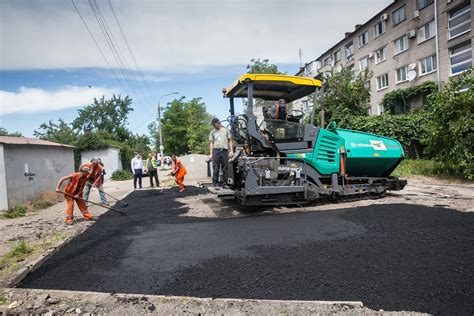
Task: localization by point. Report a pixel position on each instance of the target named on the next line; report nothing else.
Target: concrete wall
(196, 166)
(43, 166)
(110, 158)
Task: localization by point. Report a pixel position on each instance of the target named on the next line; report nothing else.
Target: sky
(50, 66)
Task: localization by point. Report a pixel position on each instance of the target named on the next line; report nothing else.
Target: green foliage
(263, 66)
(452, 123)
(346, 96)
(105, 115)
(186, 127)
(430, 168)
(398, 101)
(5, 132)
(60, 132)
(120, 175)
(409, 129)
(3, 299)
(21, 249)
(18, 211)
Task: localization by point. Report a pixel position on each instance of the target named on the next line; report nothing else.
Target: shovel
(107, 207)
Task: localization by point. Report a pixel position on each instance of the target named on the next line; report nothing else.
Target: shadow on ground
(391, 257)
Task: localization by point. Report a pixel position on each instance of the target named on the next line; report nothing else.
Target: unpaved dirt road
(412, 250)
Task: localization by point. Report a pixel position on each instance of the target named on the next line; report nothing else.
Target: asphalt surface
(392, 257)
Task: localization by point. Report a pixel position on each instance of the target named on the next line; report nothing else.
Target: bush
(18, 211)
(430, 168)
(120, 175)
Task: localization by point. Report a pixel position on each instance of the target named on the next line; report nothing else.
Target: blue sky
(48, 59)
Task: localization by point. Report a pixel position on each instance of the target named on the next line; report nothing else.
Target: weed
(3, 299)
(18, 211)
(120, 175)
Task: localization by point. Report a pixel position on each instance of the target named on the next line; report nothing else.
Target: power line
(98, 47)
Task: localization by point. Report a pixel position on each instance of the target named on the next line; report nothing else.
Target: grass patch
(120, 175)
(23, 250)
(18, 211)
(430, 168)
(3, 299)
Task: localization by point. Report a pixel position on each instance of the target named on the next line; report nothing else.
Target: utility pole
(162, 148)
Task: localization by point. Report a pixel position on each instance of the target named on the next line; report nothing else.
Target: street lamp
(159, 122)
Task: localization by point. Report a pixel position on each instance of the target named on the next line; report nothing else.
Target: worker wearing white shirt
(137, 168)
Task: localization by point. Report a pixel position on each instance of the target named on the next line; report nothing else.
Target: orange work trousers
(180, 182)
(82, 207)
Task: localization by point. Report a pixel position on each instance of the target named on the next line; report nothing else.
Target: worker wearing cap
(221, 148)
(73, 191)
(179, 171)
(95, 179)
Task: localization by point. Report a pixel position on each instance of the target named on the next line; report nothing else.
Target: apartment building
(407, 43)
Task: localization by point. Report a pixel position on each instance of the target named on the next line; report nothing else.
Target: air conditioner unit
(411, 34)
(384, 17)
(416, 14)
(370, 55)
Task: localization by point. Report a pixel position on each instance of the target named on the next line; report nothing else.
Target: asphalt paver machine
(284, 162)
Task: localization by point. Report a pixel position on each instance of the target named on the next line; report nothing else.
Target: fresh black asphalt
(391, 257)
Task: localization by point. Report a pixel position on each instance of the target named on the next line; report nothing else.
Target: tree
(263, 66)
(452, 122)
(4, 132)
(346, 95)
(105, 115)
(60, 132)
(186, 127)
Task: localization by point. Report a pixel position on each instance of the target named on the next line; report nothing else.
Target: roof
(11, 140)
(273, 87)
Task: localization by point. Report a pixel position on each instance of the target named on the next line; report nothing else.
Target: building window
(382, 82)
(402, 74)
(367, 84)
(364, 63)
(401, 44)
(352, 70)
(327, 61)
(421, 4)
(380, 55)
(349, 51)
(460, 58)
(363, 39)
(428, 65)
(380, 109)
(337, 56)
(426, 32)
(399, 16)
(459, 21)
(379, 29)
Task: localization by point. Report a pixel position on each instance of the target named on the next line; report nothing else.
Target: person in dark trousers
(152, 167)
(221, 148)
(137, 169)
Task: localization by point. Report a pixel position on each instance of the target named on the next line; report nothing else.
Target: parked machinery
(281, 162)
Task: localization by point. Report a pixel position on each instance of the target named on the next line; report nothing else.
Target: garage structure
(30, 166)
(110, 158)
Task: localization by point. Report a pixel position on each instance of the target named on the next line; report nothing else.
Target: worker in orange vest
(74, 189)
(95, 179)
(179, 171)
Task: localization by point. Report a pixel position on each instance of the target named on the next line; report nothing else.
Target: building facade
(407, 43)
(30, 166)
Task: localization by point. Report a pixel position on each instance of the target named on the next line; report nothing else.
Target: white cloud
(176, 35)
(38, 100)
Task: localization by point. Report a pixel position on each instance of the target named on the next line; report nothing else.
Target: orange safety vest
(95, 171)
(76, 183)
(179, 169)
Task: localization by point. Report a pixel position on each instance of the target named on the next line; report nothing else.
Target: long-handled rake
(104, 206)
(110, 195)
(165, 184)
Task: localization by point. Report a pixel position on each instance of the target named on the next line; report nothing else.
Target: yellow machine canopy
(273, 87)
